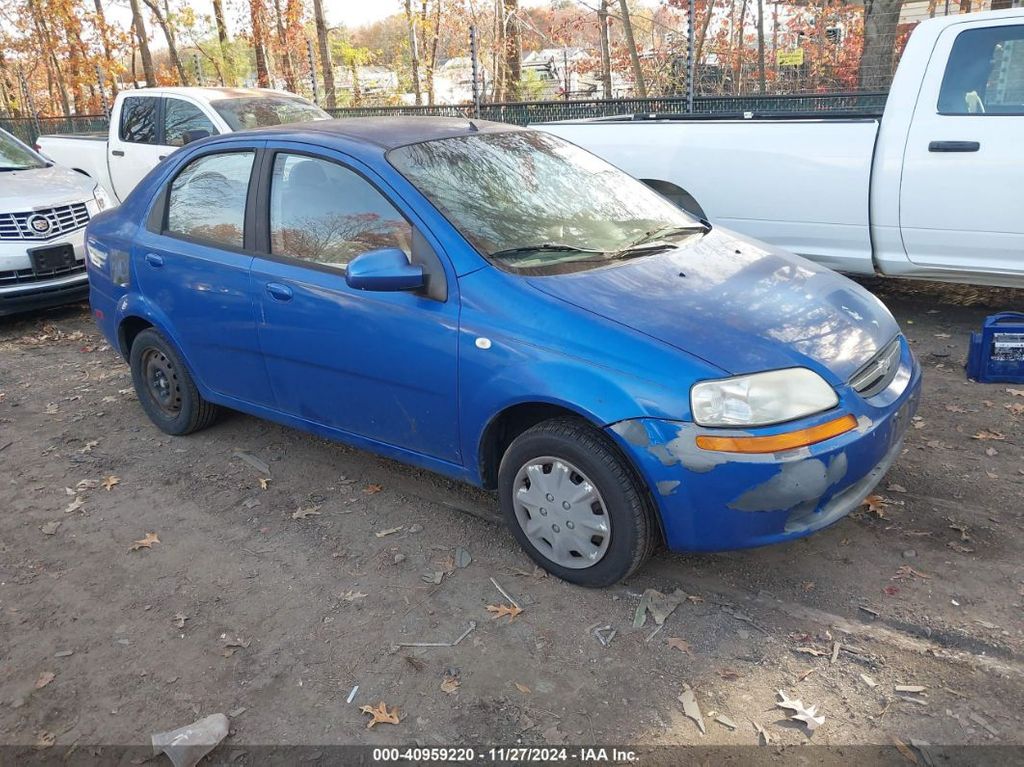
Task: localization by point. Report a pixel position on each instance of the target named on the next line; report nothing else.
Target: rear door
(134, 149)
(960, 204)
(192, 262)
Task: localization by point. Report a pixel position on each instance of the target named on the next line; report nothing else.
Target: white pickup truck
(932, 188)
(147, 125)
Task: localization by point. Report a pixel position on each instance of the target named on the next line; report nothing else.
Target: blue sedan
(499, 306)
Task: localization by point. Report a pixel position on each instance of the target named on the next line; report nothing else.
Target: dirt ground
(271, 604)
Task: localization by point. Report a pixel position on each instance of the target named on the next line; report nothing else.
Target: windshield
(265, 111)
(16, 156)
(534, 203)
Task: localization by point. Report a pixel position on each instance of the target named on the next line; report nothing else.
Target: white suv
(43, 212)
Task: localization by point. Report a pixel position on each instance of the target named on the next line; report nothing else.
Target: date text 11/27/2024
(509, 754)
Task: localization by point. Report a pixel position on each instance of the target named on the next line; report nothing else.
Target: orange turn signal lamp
(777, 443)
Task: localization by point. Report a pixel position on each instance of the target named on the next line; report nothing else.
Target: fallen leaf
(694, 599)
(955, 409)
(725, 721)
(433, 576)
(807, 585)
(45, 739)
(989, 434)
(307, 512)
(145, 543)
(959, 547)
(373, 489)
(904, 749)
(679, 644)
(87, 448)
(44, 679)
(762, 733)
(49, 528)
(389, 531)
(1015, 408)
(894, 488)
(1015, 392)
(522, 688)
(75, 505)
(500, 611)
(380, 714)
(903, 572)
(876, 505)
(891, 591)
(179, 620)
(51, 409)
(869, 681)
(991, 452)
(352, 596)
(87, 484)
(264, 483)
(109, 482)
(450, 684)
(808, 715)
(690, 707)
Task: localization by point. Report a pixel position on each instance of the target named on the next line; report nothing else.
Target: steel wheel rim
(161, 382)
(561, 512)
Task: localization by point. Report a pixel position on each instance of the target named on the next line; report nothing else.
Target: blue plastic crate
(997, 352)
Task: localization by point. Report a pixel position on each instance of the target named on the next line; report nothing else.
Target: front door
(195, 270)
(960, 202)
(375, 364)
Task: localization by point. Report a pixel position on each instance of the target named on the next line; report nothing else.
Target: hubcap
(562, 513)
(161, 381)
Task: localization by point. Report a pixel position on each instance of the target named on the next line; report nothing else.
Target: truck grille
(44, 223)
(27, 276)
(878, 373)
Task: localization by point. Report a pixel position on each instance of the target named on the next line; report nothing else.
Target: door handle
(954, 146)
(154, 260)
(117, 152)
(279, 292)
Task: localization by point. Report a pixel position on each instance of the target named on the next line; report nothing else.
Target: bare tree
(880, 20)
(228, 73)
(606, 56)
(414, 54)
(140, 35)
(513, 67)
(325, 54)
(634, 55)
(168, 29)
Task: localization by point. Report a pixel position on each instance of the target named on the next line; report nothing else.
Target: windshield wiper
(546, 247)
(648, 239)
(7, 168)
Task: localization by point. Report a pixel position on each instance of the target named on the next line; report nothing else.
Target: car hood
(738, 304)
(22, 190)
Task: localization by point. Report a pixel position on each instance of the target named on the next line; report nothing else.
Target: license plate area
(52, 258)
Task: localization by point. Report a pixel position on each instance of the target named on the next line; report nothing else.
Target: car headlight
(103, 200)
(761, 399)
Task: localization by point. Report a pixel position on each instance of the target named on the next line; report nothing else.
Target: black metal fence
(526, 112)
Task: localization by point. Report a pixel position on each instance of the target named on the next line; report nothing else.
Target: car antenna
(472, 126)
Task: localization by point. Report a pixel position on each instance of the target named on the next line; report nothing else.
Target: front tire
(165, 388)
(574, 503)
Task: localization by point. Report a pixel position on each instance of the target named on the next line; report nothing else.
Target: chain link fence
(28, 129)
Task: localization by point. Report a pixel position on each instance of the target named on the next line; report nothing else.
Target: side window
(328, 214)
(207, 199)
(181, 116)
(985, 73)
(138, 119)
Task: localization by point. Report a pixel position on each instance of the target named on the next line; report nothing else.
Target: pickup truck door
(133, 148)
(960, 205)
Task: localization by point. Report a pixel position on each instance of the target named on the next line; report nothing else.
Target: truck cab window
(985, 73)
(180, 117)
(138, 120)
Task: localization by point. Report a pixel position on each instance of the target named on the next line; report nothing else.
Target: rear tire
(165, 388)
(575, 504)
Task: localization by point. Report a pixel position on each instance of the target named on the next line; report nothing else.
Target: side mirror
(193, 135)
(385, 269)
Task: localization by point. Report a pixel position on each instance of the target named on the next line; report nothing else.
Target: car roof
(384, 132)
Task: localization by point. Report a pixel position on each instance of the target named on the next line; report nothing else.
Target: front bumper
(714, 501)
(21, 290)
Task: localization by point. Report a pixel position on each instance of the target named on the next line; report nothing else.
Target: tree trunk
(634, 55)
(286, 51)
(881, 18)
(259, 42)
(54, 74)
(172, 47)
(513, 50)
(737, 79)
(414, 55)
(357, 93)
(762, 85)
(434, 35)
(606, 54)
(140, 35)
(498, 53)
(325, 54)
(228, 74)
(699, 55)
(104, 30)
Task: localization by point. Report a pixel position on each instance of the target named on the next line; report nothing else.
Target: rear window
(985, 73)
(266, 111)
(138, 119)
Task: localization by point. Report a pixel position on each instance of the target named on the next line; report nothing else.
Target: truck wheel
(574, 503)
(164, 387)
